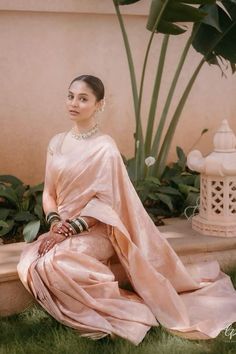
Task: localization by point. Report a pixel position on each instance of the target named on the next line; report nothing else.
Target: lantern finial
(224, 138)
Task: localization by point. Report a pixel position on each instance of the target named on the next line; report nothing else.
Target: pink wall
(45, 44)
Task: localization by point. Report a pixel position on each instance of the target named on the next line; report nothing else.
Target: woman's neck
(84, 126)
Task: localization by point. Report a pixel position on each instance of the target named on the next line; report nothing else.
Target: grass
(35, 332)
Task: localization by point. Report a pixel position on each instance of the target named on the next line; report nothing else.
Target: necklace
(80, 136)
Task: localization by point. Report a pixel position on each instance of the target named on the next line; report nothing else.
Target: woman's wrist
(54, 225)
(52, 218)
(78, 224)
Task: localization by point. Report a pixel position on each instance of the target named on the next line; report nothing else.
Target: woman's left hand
(62, 227)
(49, 242)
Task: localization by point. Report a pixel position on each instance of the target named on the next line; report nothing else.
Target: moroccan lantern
(217, 214)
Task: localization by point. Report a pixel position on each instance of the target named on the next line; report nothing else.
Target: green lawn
(35, 332)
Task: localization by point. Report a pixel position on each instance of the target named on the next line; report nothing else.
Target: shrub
(21, 213)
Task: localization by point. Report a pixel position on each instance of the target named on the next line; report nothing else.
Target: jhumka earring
(103, 105)
(101, 109)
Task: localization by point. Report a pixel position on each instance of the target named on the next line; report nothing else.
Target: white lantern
(217, 215)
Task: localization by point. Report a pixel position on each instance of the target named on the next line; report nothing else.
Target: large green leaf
(174, 13)
(4, 212)
(31, 230)
(163, 198)
(215, 44)
(153, 179)
(10, 195)
(169, 190)
(166, 200)
(185, 189)
(131, 168)
(20, 190)
(24, 216)
(38, 211)
(25, 204)
(6, 227)
(35, 189)
(12, 180)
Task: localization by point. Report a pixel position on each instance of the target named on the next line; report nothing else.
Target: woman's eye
(82, 99)
(70, 97)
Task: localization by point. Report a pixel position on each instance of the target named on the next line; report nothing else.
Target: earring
(102, 108)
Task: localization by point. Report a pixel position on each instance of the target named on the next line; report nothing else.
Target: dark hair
(94, 83)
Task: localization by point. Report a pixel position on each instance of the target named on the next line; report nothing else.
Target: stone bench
(13, 296)
(188, 244)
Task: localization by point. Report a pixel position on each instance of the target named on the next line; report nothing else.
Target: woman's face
(81, 101)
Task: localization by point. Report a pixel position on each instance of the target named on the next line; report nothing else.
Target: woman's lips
(73, 112)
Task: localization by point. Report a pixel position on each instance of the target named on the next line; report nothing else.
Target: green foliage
(216, 36)
(174, 12)
(169, 196)
(212, 33)
(21, 213)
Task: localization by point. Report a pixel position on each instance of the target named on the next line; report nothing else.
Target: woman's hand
(62, 227)
(49, 242)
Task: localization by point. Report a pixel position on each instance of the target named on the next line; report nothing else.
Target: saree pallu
(74, 281)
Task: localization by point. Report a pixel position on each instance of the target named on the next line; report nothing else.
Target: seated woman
(95, 214)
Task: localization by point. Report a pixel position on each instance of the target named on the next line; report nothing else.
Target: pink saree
(74, 281)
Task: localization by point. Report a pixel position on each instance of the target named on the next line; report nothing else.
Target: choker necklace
(80, 136)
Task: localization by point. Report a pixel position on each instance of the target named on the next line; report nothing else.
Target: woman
(94, 213)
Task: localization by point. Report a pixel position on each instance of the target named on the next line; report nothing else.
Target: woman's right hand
(49, 242)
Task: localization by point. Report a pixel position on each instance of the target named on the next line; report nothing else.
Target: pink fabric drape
(74, 281)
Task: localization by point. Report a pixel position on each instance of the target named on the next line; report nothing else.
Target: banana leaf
(175, 11)
(219, 43)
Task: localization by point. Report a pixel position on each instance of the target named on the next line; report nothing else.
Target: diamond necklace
(80, 136)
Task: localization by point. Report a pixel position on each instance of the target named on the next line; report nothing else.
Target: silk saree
(74, 281)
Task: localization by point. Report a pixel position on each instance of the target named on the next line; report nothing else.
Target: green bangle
(84, 223)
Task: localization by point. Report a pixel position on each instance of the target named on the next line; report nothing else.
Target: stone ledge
(185, 240)
(14, 298)
(191, 246)
(9, 257)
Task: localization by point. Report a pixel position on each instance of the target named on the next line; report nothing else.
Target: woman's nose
(75, 102)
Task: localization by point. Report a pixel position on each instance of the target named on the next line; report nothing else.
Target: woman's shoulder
(53, 142)
(108, 139)
(108, 143)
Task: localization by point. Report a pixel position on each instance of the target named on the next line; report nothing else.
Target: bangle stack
(52, 217)
(79, 225)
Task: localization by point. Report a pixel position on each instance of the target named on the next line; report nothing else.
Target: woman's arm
(49, 191)
(49, 196)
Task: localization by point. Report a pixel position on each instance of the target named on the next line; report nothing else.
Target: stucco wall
(44, 44)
